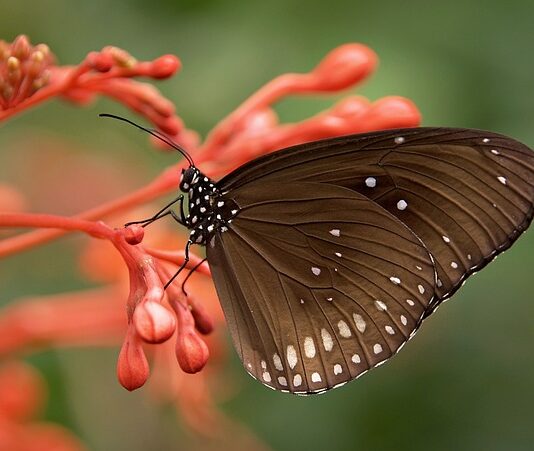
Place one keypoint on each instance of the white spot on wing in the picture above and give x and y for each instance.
(338, 254)
(403, 319)
(316, 271)
(282, 381)
(399, 140)
(316, 377)
(446, 239)
(390, 330)
(381, 306)
(344, 330)
(370, 182)
(495, 152)
(486, 140)
(395, 280)
(502, 180)
(328, 343)
(360, 323)
(297, 380)
(277, 362)
(377, 348)
(309, 347)
(291, 356)
(454, 265)
(266, 376)
(337, 369)
(410, 302)
(421, 289)
(402, 204)
(335, 232)
(356, 358)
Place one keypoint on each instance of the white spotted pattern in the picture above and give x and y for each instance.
(337, 369)
(356, 358)
(377, 348)
(421, 289)
(395, 280)
(277, 362)
(328, 343)
(309, 347)
(454, 265)
(404, 321)
(446, 239)
(316, 271)
(502, 180)
(335, 232)
(410, 302)
(297, 380)
(381, 306)
(338, 254)
(399, 140)
(370, 182)
(390, 330)
(282, 381)
(291, 356)
(316, 377)
(264, 364)
(360, 323)
(344, 330)
(495, 152)
(266, 376)
(486, 140)
(402, 204)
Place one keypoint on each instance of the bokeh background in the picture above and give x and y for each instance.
(465, 382)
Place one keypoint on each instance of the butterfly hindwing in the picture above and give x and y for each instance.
(318, 283)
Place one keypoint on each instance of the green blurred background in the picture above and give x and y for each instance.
(466, 381)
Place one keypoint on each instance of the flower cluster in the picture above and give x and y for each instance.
(155, 316)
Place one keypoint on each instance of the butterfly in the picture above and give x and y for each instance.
(327, 256)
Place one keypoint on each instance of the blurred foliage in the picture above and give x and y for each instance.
(465, 382)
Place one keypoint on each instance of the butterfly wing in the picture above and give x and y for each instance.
(318, 283)
(467, 194)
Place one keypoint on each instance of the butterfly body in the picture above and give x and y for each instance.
(328, 256)
(208, 213)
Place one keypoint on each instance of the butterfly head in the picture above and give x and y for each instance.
(190, 177)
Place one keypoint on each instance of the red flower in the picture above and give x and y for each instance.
(154, 316)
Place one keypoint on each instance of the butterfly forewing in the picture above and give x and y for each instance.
(466, 194)
(325, 283)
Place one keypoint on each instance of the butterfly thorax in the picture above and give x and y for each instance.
(208, 212)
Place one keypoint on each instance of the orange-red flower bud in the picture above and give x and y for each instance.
(134, 234)
(132, 366)
(344, 66)
(164, 66)
(153, 322)
(192, 352)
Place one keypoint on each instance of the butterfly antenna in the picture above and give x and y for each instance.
(155, 133)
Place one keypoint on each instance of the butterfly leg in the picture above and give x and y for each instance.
(162, 213)
(190, 274)
(182, 266)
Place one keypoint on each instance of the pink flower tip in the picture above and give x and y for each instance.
(153, 322)
(132, 366)
(134, 234)
(165, 66)
(345, 66)
(191, 351)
